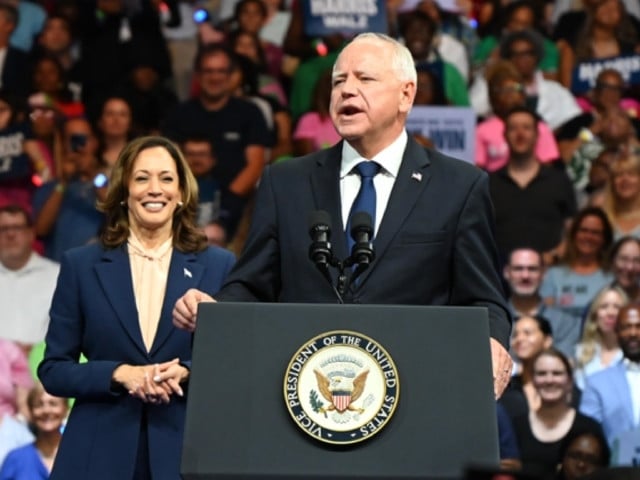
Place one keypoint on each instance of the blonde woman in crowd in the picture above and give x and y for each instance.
(625, 266)
(622, 195)
(598, 348)
(35, 460)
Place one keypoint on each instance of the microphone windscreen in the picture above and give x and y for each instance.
(361, 222)
(319, 218)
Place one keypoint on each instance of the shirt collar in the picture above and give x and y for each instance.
(137, 248)
(630, 366)
(534, 87)
(539, 309)
(31, 264)
(543, 171)
(389, 158)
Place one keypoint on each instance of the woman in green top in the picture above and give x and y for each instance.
(519, 15)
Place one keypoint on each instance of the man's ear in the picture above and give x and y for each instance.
(407, 96)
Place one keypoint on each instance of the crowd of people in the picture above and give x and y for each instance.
(216, 91)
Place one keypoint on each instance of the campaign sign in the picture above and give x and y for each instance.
(450, 129)
(585, 73)
(326, 17)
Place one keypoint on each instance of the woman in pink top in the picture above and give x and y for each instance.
(315, 129)
(15, 380)
(506, 91)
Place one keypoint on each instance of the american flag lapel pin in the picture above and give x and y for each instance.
(187, 273)
(417, 176)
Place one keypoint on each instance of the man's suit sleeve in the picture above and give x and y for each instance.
(256, 276)
(591, 403)
(475, 263)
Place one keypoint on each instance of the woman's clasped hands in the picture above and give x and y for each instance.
(152, 383)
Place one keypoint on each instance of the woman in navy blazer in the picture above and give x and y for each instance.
(113, 304)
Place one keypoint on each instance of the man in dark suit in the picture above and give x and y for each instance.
(432, 224)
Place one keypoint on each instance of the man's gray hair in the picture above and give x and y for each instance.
(401, 59)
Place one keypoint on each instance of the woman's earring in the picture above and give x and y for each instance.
(180, 204)
(122, 203)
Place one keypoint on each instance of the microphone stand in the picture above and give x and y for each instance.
(361, 265)
(362, 253)
(321, 253)
(339, 289)
(344, 280)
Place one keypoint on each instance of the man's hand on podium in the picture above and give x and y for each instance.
(502, 365)
(186, 309)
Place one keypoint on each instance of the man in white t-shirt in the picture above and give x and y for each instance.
(27, 280)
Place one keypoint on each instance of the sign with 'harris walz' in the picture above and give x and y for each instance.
(326, 17)
(585, 73)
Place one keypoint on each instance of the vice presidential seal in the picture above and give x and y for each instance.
(341, 387)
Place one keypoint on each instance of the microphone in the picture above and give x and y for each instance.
(362, 253)
(320, 249)
(362, 233)
(320, 232)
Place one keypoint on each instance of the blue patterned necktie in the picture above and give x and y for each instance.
(366, 199)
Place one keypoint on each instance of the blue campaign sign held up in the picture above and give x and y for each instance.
(324, 17)
(450, 129)
(585, 73)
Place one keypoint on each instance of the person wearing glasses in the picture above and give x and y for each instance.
(516, 16)
(27, 280)
(583, 453)
(549, 99)
(523, 272)
(586, 136)
(506, 91)
(234, 125)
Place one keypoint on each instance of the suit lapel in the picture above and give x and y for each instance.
(621, 387)
(412, 179)
(184, 273)
(114, 274)
(325, 185)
